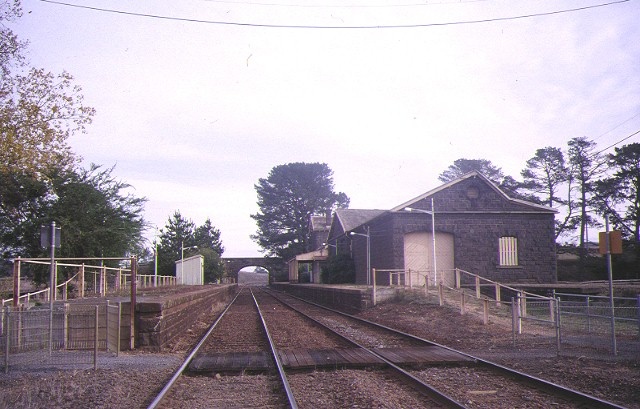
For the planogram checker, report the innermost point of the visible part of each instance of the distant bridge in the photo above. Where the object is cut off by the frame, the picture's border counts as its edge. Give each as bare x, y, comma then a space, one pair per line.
275, 266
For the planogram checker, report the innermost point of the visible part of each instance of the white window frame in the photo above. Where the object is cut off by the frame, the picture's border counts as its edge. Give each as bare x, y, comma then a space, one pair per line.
508, 251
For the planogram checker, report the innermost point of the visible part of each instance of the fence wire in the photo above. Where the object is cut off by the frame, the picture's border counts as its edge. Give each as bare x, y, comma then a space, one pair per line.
68, 335
586, 321
532, 323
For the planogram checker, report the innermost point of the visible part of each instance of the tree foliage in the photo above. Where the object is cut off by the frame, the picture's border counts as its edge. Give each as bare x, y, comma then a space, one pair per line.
545, 172
38, 113
180, 233
286, 198
544, 177
619, 194
463, 166
96, 213
495, 174
11, 47
339, 269
586, 166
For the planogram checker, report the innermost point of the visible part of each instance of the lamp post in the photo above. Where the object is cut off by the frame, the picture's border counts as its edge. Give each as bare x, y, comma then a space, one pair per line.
155, 256
432, 212
182, 249
368, 236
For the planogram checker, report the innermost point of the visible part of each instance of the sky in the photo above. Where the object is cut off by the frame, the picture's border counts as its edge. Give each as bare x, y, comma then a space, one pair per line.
197, 100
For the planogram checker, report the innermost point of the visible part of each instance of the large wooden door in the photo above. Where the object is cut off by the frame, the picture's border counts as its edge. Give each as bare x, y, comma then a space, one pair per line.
418, 257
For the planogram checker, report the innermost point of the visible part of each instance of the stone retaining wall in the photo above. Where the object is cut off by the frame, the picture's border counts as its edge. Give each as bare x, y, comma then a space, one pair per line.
161, 320
347, 299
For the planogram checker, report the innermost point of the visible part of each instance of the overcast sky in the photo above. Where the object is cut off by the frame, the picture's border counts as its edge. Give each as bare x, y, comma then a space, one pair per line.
193, 111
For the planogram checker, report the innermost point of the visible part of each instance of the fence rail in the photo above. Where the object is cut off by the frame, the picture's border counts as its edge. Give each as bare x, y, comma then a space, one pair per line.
560, 322
85, 280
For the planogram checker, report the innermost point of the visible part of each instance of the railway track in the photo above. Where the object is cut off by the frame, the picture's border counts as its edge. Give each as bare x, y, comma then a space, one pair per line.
530, 390
271, 350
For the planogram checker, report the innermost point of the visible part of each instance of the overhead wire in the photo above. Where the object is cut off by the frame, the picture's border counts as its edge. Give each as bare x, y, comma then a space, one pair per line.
430, 3
617, 126
614, 144
303, 26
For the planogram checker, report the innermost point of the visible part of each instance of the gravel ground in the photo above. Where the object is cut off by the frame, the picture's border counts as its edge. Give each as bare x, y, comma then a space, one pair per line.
132, 379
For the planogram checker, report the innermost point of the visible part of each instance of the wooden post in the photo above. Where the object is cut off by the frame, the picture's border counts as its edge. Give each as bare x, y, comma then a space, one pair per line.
485, 304
477, 287
373, 294
523, 303
16, 282
81, 282
456, 272
7, 332
95, 341
498, 295
638, 318
462, 303
514, 309
106, 326
441, 294
134, 288
65, 326
426, 283
119, 329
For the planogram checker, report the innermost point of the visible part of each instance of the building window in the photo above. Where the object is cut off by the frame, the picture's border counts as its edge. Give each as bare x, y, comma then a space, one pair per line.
508, 251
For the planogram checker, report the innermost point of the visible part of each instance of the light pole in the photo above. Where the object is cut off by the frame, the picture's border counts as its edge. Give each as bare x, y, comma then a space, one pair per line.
368, 236
182, 249
155, 256
432, 212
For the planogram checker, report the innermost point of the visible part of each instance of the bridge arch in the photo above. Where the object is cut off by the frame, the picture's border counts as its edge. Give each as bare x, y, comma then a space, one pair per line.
276, 267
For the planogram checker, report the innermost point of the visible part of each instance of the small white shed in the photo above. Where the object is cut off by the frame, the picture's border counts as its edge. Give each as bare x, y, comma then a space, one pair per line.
190, 271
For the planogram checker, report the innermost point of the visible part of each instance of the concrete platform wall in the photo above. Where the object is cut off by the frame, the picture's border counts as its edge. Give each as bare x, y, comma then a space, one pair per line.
347, 299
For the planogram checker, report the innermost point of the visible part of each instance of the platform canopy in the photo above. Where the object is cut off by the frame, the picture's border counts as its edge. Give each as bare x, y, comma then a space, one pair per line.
313, 257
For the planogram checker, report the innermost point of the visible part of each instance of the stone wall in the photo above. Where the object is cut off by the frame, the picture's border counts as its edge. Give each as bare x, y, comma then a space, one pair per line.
346, 299
159, 321
476, 221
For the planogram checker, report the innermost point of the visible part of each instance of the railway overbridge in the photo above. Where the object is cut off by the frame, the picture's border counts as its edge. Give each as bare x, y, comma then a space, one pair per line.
276, 266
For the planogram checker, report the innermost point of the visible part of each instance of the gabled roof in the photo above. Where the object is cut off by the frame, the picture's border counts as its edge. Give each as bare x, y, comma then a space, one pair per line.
349, 219
469, 175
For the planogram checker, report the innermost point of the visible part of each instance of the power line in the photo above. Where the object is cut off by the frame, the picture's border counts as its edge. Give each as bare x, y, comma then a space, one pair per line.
230, 23
617, 126
614, 144
431, 3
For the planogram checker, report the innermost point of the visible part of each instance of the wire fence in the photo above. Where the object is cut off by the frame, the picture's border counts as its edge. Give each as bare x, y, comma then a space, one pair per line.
67, 335
531, 322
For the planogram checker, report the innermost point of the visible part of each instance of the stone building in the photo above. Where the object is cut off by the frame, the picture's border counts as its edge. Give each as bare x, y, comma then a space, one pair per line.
478, 228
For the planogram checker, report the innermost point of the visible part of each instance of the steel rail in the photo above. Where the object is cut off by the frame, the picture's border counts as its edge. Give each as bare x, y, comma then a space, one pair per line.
187, 361
276, 358
415, 382
559, 389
